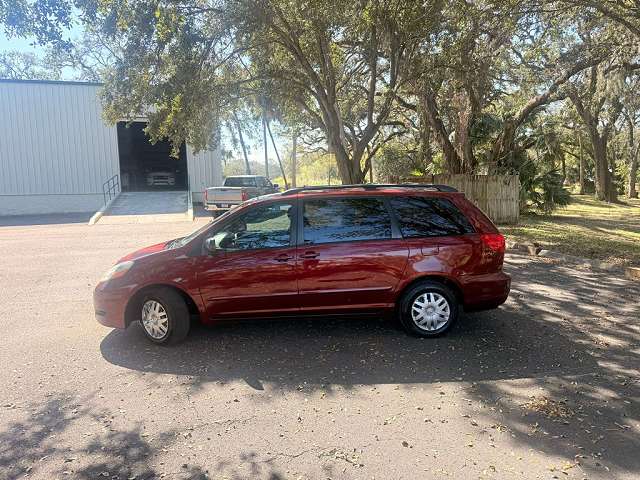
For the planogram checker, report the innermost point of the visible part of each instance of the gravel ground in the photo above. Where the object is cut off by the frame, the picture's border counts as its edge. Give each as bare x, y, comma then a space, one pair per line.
545, 387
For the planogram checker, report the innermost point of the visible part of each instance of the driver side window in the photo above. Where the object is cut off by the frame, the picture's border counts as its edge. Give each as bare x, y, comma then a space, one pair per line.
266, 226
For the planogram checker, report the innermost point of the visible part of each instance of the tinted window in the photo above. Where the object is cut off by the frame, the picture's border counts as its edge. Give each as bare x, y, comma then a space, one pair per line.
429, 217
240, 182
267, 226
345, 219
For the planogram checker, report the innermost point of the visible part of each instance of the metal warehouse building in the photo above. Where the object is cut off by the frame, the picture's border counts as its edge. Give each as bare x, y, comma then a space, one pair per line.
57, 154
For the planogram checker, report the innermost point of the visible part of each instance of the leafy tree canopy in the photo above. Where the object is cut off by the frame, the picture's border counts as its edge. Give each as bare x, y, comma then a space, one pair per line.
453, 85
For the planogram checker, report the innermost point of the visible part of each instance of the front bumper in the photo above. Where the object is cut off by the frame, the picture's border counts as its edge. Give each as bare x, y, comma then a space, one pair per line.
110, 306
486, 291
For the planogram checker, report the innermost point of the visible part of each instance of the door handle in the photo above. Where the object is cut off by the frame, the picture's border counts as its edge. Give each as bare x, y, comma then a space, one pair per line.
310, 255
430, 250
283, 258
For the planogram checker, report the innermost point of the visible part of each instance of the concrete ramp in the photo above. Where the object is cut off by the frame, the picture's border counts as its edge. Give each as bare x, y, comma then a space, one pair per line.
149, 207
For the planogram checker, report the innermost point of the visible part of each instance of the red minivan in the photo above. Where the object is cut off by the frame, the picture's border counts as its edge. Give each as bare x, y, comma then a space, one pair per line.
423, 251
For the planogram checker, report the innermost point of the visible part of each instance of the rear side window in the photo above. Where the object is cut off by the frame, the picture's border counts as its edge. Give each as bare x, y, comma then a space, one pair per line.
429, 217
240, 182
345, 219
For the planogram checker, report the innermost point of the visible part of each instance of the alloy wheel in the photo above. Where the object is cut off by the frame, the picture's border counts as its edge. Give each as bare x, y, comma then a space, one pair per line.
155, 319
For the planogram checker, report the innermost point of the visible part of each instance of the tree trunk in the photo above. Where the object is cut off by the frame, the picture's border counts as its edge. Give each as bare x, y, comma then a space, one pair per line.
247, 167
266, 150
348, 174
633, 173
425, 152
633, 161
275, 149
581, 165
612, 161
464, 147
503, 148
294, 162
357, 175
344, 167
451, 157
604, 184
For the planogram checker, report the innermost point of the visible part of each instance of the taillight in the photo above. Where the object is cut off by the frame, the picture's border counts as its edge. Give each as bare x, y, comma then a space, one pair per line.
206, 196
245, 195
495, 241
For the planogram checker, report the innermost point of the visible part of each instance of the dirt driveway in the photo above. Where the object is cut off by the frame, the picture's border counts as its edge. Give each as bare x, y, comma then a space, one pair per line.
546, 387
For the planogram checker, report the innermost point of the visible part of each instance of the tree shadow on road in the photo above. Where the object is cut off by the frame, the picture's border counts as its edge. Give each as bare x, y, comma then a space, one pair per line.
590, 418
45, 443
24, 444
35, 445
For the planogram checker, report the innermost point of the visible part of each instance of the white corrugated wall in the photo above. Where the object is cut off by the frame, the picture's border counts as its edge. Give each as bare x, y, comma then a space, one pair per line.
205, 170
55, 149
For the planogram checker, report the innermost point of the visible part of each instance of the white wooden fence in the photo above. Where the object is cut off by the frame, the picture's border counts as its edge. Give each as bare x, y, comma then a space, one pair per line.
498, 196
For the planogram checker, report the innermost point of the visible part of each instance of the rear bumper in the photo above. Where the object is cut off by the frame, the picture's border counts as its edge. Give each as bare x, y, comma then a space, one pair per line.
487, 291
110, 307
212, 207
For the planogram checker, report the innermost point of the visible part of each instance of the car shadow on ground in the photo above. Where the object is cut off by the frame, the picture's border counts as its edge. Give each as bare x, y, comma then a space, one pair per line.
571, 336
352, 351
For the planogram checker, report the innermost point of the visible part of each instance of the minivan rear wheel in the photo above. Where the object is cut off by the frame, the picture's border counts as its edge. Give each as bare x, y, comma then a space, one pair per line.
428, 309
164, 316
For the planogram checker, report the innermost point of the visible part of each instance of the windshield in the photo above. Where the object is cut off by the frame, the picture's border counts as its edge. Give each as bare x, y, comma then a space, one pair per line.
240, 182
182, 241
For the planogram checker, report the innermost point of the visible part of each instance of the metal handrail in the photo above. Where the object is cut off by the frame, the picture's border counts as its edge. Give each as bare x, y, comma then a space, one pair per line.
111, 186
372, 186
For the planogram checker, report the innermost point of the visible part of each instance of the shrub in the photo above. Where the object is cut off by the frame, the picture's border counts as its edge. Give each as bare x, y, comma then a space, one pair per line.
543, 192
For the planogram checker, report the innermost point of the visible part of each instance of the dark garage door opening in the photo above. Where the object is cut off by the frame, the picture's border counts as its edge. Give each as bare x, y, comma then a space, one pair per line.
147, 167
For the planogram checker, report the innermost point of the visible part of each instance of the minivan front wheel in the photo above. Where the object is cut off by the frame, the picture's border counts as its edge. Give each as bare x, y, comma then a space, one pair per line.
428, 309
164, 316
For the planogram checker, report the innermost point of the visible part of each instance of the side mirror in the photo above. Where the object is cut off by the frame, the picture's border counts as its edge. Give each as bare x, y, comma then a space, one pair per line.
276, 186
210, 245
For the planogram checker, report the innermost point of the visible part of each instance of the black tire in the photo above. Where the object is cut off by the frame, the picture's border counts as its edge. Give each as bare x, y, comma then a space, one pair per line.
406, 302
177, 312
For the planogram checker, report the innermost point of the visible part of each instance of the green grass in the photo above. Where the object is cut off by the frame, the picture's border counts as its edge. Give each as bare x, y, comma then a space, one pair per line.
586, 228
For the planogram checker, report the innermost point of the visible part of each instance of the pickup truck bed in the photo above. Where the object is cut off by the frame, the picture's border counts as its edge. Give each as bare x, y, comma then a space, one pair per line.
236, 190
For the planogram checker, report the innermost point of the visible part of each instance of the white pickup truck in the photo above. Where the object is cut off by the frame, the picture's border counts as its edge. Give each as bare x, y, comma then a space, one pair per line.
235, 190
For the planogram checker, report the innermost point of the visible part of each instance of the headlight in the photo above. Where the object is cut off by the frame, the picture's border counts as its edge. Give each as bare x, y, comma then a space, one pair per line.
117, 271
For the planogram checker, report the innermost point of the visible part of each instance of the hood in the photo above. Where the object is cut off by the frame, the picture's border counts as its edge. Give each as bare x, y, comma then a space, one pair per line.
143, 252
